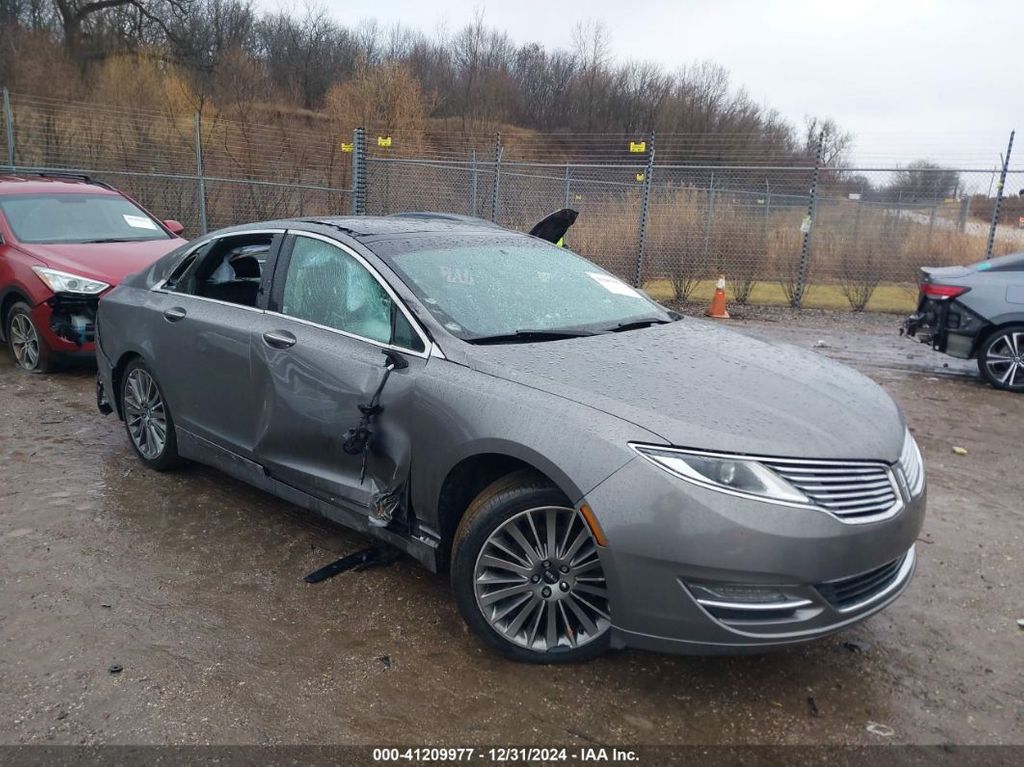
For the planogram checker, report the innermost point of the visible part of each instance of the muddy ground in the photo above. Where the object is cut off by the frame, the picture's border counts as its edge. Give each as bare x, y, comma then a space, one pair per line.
192, 582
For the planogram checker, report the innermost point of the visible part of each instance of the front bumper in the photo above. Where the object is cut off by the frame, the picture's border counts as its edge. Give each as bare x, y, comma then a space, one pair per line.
67, 325
666, 536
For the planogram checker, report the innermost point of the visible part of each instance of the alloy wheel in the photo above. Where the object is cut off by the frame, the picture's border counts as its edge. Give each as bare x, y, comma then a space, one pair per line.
145, 413
1005, 359
539, 583
24, 341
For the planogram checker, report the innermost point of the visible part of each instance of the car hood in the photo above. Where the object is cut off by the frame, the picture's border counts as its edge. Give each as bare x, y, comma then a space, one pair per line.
110, 262
699, 385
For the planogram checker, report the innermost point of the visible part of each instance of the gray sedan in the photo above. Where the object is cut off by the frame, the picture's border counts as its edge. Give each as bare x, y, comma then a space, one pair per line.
976, 311
591, 469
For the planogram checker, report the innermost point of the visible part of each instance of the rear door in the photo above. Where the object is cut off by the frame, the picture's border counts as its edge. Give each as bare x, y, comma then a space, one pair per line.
201, 343
318, 356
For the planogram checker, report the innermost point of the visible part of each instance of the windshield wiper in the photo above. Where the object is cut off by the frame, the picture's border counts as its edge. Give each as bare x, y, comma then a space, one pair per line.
110, 239
637, 324
530, 335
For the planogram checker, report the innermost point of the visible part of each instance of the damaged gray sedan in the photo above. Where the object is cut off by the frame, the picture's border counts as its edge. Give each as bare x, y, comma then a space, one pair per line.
592, 470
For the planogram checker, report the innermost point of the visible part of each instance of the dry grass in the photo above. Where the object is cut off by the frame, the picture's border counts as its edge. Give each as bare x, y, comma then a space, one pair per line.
861, 258
887, 297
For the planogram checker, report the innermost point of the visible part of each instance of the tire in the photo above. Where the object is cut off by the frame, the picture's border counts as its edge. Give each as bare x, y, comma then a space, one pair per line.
147, 418
1001, 358
536, 592
27, 346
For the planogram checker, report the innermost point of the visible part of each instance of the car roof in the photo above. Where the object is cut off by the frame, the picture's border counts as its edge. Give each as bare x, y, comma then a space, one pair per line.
370, 228
1014, 262
32, 183
373, 228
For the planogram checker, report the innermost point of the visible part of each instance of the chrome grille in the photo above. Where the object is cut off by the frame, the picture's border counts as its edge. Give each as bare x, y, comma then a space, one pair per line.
854, 492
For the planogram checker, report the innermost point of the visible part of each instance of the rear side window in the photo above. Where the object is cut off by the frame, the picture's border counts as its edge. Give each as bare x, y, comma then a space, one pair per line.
327, 286
229, 269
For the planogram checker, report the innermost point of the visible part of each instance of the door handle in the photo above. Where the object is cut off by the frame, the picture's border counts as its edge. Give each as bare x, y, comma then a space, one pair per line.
279, 339
174, 314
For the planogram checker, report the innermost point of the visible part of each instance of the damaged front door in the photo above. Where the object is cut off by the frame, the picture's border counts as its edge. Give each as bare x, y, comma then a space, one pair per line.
321, 354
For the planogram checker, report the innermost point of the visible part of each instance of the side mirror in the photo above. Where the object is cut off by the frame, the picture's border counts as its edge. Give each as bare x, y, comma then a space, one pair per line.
174, 227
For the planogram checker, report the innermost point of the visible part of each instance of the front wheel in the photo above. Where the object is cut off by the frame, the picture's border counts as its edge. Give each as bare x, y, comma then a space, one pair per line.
29, 349
1001, 358
527, 574
147, 418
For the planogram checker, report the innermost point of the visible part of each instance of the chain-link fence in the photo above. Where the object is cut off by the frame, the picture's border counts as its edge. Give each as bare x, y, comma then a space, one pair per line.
667, 220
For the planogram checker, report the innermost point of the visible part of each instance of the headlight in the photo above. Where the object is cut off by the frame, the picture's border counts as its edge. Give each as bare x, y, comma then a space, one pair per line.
740, 476
62, 282
912, 464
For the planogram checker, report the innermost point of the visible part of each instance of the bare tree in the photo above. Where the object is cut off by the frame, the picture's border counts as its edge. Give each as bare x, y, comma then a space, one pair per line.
592, 47
836, 142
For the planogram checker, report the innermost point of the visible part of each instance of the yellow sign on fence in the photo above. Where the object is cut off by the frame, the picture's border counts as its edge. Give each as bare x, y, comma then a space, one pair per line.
384, 141
639, 176
346, 147
637, 147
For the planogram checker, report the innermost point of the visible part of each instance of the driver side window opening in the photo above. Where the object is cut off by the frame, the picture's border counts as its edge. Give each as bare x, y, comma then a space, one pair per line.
229, 269
327, 286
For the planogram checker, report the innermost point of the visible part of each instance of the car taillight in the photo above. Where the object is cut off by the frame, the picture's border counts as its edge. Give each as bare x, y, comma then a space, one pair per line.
942, 292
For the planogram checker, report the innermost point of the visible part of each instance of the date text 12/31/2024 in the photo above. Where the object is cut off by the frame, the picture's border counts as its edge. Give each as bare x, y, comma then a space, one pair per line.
504, 754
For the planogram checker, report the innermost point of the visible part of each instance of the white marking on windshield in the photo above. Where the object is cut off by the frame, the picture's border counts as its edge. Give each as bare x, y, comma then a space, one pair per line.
612, 284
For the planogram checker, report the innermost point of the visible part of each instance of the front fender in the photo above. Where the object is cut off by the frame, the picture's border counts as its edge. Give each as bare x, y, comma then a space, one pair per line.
462, 413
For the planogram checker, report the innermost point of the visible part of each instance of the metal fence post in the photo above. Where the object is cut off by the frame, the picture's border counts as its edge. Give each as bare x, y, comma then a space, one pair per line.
645, 207
497, 177
805, 248
358, 172
931, 224
9, 127
708, 218
965, 211
567, 183
200, 178
472, 186
999, 200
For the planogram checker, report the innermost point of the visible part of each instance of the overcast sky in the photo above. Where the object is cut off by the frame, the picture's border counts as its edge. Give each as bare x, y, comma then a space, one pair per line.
910, 78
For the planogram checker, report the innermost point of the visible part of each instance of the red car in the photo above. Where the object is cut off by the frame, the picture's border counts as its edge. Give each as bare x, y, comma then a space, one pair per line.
64, 241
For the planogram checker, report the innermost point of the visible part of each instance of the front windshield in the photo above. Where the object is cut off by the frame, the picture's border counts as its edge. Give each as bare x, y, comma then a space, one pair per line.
78, 218
482, 286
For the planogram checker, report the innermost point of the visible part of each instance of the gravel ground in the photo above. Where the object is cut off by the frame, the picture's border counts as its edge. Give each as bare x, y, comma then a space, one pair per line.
191, 584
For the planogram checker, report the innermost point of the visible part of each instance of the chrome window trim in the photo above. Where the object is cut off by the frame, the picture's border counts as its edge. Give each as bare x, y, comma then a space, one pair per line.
346, 334
896, 508
427, 343
215, 301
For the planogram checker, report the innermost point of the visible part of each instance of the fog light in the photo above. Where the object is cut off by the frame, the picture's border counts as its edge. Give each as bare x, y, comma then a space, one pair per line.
739, 593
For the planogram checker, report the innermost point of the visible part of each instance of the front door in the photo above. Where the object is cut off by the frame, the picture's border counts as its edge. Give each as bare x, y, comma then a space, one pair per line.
320, 354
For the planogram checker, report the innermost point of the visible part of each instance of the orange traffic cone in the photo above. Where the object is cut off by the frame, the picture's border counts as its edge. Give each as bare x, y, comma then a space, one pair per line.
717, 308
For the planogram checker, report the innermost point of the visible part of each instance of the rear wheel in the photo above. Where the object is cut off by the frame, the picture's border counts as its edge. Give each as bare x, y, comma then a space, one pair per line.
527, 574
28, 348
147, 418
1001, 358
